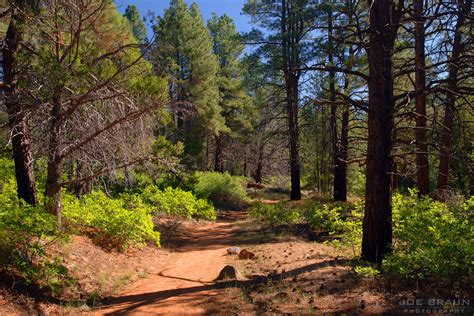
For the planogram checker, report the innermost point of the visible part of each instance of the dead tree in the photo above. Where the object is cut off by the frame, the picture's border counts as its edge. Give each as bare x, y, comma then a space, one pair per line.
17, 112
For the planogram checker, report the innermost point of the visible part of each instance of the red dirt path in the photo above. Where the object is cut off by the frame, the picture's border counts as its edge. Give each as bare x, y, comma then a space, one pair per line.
185, 283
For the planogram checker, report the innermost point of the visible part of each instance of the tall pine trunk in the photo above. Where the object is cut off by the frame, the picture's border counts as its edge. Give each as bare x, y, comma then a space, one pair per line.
292, 111
21, 146
343, 157
53, 178
338, 164
422, 163
377, 225
464, 8
218, 159
290, 29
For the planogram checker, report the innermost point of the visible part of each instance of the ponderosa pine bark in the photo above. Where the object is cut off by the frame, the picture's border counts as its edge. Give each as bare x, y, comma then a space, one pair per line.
422, 163
21, 146
339, 165
291, 30
464, 8
52, 191
377, 225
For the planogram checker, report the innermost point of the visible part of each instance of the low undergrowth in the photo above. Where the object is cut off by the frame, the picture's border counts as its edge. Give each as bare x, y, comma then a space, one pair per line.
29, 234
112, 223
431, 239
222, 189
179, 203
26, 233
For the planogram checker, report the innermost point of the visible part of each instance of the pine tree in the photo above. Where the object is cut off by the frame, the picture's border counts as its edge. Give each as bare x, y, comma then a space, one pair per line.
184, 53
234, 101
82, 111
288, 24
136, 23
385, 17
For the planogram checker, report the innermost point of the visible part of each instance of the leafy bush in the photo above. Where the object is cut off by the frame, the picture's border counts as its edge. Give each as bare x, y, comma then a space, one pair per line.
351, 230
220, 188
274, 214
117, 223
324, 216
176, 202
366, 271
25, 233
431, 239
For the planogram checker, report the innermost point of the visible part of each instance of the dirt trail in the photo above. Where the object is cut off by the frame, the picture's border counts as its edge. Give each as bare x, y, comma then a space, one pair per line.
185, 283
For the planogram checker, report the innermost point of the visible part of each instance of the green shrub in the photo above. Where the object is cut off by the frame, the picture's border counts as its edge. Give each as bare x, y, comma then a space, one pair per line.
176, 202
25, 233
351, 230
274, 214
431, 239
323, 216
220, 188
366, 271
116, 223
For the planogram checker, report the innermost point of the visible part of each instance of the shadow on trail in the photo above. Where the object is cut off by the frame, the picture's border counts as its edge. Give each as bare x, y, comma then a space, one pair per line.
180, 278
133, 302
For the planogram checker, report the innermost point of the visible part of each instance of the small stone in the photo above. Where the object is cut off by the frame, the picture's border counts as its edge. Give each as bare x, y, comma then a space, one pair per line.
228, 273
362, 304
281, 295
233, 250
246, 254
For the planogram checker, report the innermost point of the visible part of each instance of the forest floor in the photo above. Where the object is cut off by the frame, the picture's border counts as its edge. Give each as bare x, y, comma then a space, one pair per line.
290, 274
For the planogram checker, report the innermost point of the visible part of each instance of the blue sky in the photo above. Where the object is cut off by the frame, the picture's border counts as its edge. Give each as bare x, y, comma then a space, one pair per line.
232, 8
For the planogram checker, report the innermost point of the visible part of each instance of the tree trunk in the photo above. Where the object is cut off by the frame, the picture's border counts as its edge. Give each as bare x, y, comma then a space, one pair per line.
128, 177
323, 145
53, 187
344, 146
290, 29
21, 146
218, 159
343, 157
448, 124
422, 163
82, 187
338, 165
292, 111
258, 169
471, 183
377, 225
